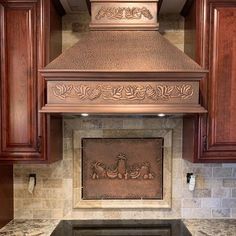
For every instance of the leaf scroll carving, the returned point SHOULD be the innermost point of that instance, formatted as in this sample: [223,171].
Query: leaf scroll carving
[62,91]
[118,13]
[123,92]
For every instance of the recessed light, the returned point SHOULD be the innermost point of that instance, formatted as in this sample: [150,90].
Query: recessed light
[161,115]
[84,114]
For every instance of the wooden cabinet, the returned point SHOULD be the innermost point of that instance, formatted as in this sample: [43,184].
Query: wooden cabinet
[6,194]
[30,36]
[211,40]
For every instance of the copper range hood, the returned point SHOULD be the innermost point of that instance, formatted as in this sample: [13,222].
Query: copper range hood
[123,66]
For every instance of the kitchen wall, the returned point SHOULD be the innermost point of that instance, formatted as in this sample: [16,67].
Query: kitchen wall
[215,193]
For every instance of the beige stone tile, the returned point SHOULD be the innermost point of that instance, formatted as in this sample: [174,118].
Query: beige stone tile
[211,202]
[68,19]
[220,213]
[198,213]
[188,166]
[52,203]
[222,172]
[171,22]
[34,203]
[57,214]
[204,182]
[177,168]
[80,134]
[67,207]
[67,144]
[21,172]
[23,214]
[153,123]
[68,155]
[230,183]
[173,123]
[202,193]
[234,213]
[234,193]
[42,214]
[67,188]
[213,165]
[133,123]
[22,193]
[132,214]
[67,130]
[175,37]
[52,183]
[185,191]
[87,215]
[203,171]
[228,203]
[220,192]
[191,203]
[111,214]
[18,204]
[55,193]
[56,171]
[234,171]
[177,187]
[90,123]
[112,123]
[42,172]
[18,184]
[67,170]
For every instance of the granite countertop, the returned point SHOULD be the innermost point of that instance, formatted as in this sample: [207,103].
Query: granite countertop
[29,228]
[46,227]
[217,227]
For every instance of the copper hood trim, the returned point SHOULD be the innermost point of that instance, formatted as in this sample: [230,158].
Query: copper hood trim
[124,110]
[69,73]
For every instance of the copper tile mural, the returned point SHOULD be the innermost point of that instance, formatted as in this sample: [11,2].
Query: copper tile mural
[122,168]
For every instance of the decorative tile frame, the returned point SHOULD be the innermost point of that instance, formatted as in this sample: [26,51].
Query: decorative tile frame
[166,134]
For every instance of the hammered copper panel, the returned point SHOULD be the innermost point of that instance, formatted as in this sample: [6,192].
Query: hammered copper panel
[125,51]
[102,92]
[122,168]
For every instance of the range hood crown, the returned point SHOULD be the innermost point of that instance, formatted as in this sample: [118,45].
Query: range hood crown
[123,65]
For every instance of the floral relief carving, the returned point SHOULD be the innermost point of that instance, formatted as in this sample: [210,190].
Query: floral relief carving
[123,92]
[138,171]
[62,91]
[118,13]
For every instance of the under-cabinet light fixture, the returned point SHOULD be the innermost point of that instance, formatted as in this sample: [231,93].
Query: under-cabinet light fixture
[84,114]
[161,115]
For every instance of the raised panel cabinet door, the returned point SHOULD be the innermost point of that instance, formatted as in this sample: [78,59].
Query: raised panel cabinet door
[18,41]
[221,136]
[210,31]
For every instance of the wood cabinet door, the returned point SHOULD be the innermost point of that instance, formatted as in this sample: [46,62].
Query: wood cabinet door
[210,39]
[18,41]
[220,128]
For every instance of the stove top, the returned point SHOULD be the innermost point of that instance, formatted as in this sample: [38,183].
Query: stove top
[121,228]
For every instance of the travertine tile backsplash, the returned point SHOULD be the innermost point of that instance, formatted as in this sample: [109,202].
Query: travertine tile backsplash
[215,193]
